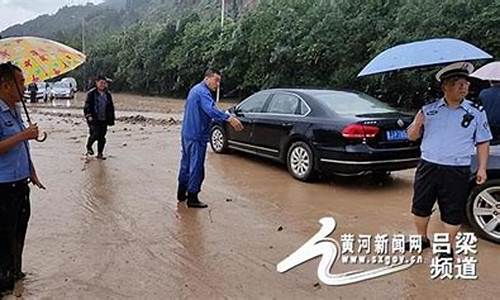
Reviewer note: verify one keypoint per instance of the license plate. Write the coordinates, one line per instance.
(396, 135)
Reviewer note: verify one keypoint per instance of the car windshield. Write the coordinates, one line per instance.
(348, 103)
(61, 85)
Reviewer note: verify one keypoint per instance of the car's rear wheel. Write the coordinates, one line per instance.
(483, 210)
(300, 161)
(218, 140)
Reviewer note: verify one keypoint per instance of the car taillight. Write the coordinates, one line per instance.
(360, 131)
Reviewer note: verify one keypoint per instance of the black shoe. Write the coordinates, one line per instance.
(181, 194)
(20, 275)
(100, 156)
(6, 288)
(5, 292)
(194, 202)
(90, 152)
(426, 243)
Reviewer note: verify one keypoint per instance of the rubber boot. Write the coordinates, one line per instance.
(181, 193)
(194, 202)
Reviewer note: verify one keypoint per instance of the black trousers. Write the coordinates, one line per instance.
(14, 215)
(97, 132)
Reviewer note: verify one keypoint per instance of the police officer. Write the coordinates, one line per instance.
(450, 128)
(199, 112)
(16, 169)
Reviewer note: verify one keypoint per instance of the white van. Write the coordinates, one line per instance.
(71, 82)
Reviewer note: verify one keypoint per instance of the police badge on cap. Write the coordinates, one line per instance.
(463, 69)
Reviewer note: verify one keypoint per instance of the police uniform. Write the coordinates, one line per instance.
(448, 142)
(15, 170)
(199, 112)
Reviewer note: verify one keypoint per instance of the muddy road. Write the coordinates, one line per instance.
(114, 230)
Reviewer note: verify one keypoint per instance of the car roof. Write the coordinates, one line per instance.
(310, 92)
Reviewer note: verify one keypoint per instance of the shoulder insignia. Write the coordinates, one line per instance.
(477, 106)
(431, 112)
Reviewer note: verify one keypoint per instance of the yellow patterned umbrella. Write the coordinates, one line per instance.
(40, 59)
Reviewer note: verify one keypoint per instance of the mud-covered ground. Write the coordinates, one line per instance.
(113, 229)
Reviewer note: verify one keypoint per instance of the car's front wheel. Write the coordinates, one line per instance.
(300, 161)
(218, 140)
(483, 210)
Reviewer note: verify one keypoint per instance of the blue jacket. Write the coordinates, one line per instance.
(15, 164)
(199, 112)
(490, 98)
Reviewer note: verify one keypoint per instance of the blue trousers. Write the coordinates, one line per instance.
(192, 169)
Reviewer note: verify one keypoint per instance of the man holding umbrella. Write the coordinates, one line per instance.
(41, 59)
(16, 170)
(450, 128)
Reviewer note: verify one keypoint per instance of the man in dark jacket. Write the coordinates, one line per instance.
(99, 112)
(33, 89)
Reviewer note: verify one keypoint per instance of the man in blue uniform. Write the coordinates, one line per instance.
(16, 169)
(199, 112)
(451, 128)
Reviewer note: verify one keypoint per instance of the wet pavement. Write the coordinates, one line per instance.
(113, 229)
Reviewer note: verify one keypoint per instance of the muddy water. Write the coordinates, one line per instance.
(113, 229)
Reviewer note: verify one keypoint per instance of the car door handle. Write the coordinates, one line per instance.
(286, 124)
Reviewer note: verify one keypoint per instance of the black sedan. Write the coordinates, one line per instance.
(320, 131)
(483, 206)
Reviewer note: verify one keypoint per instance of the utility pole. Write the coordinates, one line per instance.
(83, 35)
(223, 8)
(84, 68)
(222, 27)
